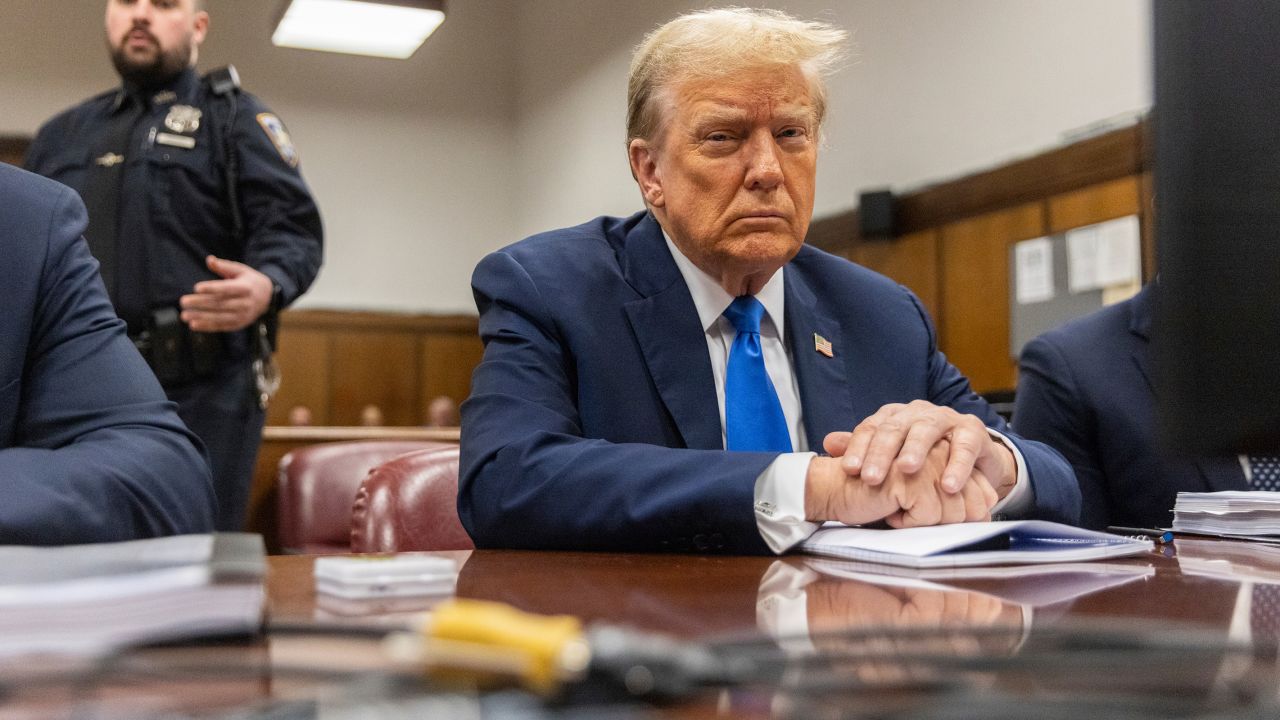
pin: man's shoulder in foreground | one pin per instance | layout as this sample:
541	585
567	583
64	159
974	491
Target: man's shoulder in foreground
26	190
31	204
90	449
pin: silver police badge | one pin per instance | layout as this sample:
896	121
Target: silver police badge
183	119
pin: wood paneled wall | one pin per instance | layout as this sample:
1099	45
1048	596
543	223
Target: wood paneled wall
911	260
955	238
336	363
974	327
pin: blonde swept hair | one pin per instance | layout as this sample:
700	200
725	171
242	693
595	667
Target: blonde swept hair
719	43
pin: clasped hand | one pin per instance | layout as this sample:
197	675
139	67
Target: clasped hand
910	465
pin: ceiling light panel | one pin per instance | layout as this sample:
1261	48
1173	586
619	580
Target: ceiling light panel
357	27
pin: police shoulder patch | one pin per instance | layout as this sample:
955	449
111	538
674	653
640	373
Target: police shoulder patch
274	129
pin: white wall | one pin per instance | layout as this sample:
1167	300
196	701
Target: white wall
510	120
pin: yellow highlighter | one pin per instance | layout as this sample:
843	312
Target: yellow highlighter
484	643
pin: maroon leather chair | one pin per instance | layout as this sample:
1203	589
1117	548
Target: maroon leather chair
410	503
317	485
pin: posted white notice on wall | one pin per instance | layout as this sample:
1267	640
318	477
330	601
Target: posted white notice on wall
1119	245
1082	259
1103	255
1033	271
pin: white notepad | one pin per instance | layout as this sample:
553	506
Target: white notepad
1006	542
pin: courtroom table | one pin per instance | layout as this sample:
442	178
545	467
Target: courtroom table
868	645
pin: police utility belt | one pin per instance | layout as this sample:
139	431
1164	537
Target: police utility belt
175	353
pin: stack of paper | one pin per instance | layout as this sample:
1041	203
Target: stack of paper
1235	513
1008	542
93	599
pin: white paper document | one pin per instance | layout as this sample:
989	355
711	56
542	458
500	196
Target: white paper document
1005	542
1033	271
1119	246
1082	259
1104	255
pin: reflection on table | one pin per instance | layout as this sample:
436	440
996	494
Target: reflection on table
800	638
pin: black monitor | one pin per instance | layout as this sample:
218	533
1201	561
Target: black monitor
1217	196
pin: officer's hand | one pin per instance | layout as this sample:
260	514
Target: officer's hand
230	304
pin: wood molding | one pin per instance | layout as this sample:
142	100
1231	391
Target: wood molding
307	435
377	321
1110	156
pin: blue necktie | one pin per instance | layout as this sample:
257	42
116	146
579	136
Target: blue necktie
753	418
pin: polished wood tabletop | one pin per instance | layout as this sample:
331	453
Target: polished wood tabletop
1171	628
712	596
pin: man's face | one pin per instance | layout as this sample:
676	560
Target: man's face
153	40
731	178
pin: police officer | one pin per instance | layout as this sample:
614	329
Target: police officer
200	220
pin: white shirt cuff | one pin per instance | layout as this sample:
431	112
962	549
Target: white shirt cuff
780	502
1021	498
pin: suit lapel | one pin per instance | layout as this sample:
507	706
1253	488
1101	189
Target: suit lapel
825	394
666	326
1140	313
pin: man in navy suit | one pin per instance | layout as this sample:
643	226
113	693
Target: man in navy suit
1085	388
623	356
90	449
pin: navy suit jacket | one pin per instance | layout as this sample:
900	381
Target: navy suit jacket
90	449
1086	389
593	421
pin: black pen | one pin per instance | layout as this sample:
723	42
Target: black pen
1160	536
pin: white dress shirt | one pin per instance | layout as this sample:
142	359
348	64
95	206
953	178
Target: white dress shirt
779	490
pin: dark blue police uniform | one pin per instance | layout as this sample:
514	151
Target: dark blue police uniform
151	166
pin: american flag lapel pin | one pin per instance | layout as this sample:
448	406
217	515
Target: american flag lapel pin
822	345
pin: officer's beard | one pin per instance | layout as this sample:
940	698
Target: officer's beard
160	69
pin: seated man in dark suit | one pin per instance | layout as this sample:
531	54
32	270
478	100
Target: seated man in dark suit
1086	389
90	449
654	383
